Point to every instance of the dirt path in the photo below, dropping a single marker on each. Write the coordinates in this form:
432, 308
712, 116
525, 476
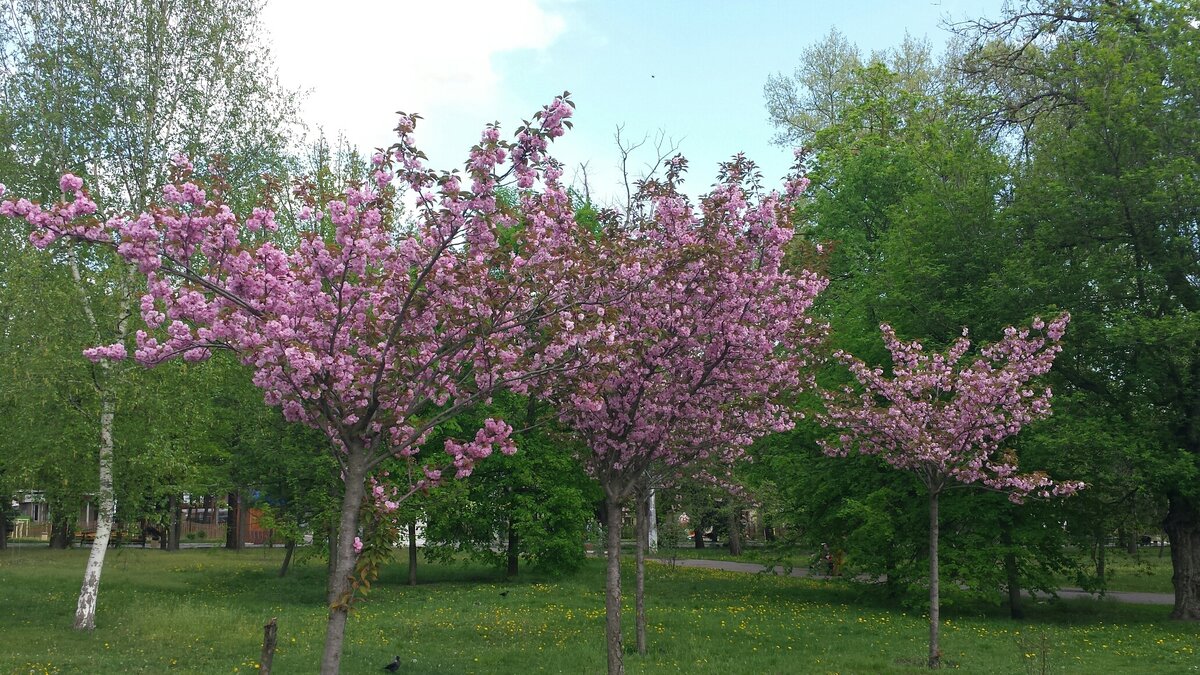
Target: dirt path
1071, 593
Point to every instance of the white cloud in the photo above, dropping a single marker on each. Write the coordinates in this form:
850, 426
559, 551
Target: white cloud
361, 60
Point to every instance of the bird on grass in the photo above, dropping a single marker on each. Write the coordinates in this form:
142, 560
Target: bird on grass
393, 666
504, 594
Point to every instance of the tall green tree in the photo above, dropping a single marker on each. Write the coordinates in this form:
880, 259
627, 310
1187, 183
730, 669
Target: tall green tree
908, 202
108, 89
533, 505
1100, 102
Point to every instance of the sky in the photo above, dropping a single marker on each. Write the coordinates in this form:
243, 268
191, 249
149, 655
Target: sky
691, 71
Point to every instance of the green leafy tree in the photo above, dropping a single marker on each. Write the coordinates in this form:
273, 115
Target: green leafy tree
909, 202
108, 89
1099, 101
533, 505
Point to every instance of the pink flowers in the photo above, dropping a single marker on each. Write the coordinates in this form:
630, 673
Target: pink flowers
113, 352
354, 334
70, 183
707, 338
947, 420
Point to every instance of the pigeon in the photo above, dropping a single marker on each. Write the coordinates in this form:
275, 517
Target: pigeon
393, 666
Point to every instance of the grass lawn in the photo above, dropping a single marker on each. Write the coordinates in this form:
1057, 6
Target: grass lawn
202, 610
1149, 571
763, 555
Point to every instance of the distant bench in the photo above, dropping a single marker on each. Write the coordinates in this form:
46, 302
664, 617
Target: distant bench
117, 538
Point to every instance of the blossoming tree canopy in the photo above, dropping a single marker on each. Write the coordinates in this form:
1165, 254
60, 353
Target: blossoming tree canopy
711, 338
381, 330
362, 334
945, 419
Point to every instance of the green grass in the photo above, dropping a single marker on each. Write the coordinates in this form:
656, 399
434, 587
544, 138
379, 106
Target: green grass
765, 555
1147, 572
201, 611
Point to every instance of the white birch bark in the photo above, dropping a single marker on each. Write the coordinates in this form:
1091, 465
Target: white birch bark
85, 609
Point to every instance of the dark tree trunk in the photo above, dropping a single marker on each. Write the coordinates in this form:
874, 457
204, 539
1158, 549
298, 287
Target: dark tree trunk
769, 533
1101, 549
643, 539
174, 527
513, 550
243, 520
891, 582
735, 532
268, 648
4, 521
935, 650
1128, 539
333, 552
612, 595
289, 549
1011, 573
412, 553
1183, 530
699, 533
61, 533
234, 536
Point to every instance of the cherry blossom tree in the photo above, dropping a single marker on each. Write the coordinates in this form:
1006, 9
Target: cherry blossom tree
946, 420
710, 337
378, 331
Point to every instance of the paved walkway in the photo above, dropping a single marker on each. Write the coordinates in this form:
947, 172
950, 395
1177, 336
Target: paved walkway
1071, 593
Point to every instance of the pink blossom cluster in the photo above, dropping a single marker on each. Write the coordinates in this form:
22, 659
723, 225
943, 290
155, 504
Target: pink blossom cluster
494, 434
708, 336
67, 219
947, 419
363, 333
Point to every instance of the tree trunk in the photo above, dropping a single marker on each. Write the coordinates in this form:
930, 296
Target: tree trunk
512, 551
643, 537
699, 538
61, 532
234, 537
339, 581
332, 542
176, 522
735, 532
289, 549
652, 537
268, 649
891, 581
1101, 549
935, 652
243, 524
1183, 531
85, 609
168, 542
612, 596
1011, 573
412, 552
4, 522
